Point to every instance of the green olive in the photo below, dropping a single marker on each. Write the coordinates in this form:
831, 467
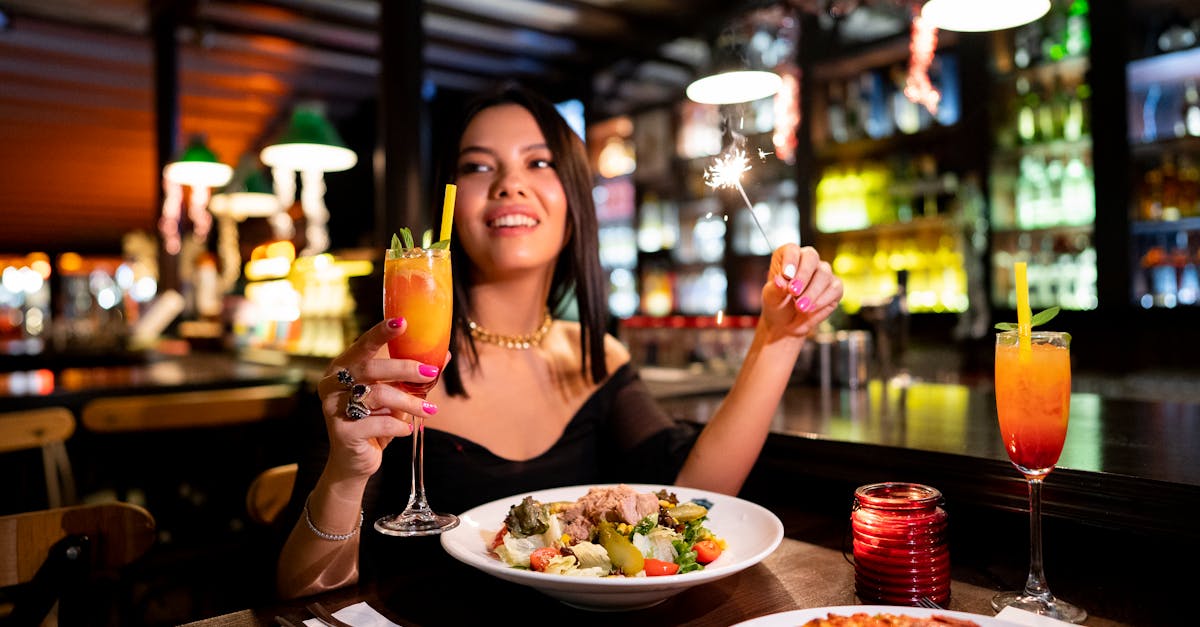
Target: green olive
687, 512
621, 551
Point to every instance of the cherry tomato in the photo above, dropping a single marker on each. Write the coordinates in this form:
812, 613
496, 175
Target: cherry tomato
706, 551
541, 557
654, 567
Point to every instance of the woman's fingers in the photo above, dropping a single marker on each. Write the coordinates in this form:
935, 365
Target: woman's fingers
367, 346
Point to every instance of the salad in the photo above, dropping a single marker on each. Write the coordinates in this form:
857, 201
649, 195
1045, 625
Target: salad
610, 531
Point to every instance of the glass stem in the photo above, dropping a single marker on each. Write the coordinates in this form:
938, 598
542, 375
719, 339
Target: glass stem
1035, 584
416, 494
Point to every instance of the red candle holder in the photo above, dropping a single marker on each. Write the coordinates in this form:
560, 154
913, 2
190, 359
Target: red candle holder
900, 548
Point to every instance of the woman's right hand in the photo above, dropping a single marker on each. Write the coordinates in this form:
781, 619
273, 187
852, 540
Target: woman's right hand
356, 446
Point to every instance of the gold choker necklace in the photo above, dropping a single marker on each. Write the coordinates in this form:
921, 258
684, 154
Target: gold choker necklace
517, 342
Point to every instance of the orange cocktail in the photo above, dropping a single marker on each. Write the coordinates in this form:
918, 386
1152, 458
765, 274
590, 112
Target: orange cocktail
417, 287
1033, 398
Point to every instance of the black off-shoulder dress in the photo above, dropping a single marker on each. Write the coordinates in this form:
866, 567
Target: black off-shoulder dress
619, 435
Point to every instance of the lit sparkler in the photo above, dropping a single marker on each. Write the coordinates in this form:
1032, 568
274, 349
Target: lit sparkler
727, 171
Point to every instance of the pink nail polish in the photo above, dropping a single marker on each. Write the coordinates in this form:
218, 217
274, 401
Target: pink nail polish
803, 303
427, 370
797, 286
395, 322
429, 408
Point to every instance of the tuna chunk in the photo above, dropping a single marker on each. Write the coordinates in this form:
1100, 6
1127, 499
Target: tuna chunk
614, 504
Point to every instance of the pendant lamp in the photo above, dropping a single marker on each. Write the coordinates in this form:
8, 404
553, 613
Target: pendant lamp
310, 142
735, 76
975, 16
248, 195
197, 166
311, 146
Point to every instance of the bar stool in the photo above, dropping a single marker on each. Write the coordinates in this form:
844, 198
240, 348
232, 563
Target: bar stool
270, 492
170, 443
67, 556
48, 429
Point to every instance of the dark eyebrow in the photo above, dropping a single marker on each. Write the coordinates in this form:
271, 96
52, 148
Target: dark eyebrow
490, 152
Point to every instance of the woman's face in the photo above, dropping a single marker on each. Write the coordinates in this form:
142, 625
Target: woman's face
510, 214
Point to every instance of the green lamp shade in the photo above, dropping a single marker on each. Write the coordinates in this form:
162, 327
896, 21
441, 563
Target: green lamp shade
309, 143
248, 195
198, 167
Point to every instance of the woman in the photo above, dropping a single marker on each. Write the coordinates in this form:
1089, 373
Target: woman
568, 410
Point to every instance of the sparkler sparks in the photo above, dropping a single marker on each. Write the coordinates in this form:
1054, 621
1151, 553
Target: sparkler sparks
726, 171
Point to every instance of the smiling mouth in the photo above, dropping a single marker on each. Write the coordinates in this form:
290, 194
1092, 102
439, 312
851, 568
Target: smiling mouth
512, 220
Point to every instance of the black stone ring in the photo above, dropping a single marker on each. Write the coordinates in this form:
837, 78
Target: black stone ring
357, 410
344, 377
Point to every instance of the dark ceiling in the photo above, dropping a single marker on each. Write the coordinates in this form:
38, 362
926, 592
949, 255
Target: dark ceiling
77, 83
77, 101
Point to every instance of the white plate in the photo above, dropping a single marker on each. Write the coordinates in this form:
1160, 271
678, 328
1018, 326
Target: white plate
751, 531
795, 618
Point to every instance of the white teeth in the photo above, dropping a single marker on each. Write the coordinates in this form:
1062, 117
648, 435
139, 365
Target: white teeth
513, 219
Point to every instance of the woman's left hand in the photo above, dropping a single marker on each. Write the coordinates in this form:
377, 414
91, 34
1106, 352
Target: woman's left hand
801, 291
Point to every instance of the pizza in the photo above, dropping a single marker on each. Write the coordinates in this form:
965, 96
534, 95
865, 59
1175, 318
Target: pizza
863, 619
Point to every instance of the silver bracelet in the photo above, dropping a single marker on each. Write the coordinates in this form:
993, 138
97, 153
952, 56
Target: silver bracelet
332, 537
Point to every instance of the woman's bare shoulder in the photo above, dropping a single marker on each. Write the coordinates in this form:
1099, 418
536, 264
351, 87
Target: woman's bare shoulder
615, 353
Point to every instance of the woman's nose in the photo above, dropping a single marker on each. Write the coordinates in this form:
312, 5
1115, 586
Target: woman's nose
508, 184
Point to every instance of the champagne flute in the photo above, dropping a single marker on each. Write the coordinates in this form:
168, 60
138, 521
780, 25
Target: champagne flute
1033, 400
417, 286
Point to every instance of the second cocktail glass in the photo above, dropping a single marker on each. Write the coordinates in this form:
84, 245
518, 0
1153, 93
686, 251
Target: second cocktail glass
1033, 401
417, 286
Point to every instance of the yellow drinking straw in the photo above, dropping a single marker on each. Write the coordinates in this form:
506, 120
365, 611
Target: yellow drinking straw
448, 211
1024, 326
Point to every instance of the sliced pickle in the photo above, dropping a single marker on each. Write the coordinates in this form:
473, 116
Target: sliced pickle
621, 552
687, 512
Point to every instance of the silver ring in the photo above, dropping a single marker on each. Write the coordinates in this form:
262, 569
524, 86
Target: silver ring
345, 378
356, 409
359, 390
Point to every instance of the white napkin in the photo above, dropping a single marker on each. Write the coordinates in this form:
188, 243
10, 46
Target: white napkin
360, 615
1025, 617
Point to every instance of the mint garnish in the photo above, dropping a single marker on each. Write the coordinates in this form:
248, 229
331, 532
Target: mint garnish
404, 241
1041, 317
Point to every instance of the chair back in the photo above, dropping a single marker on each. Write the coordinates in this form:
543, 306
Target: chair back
48, 429
270, 492
119, 533
181, 410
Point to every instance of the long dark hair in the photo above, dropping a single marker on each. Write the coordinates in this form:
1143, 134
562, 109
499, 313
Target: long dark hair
577, 272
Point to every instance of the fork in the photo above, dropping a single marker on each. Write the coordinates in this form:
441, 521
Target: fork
929, 603
325, 616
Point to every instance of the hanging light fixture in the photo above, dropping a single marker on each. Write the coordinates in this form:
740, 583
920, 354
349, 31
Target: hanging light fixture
197, 166
736, 76
311, 146
975, 16
248, 195
309, 142
734, 86
198, 169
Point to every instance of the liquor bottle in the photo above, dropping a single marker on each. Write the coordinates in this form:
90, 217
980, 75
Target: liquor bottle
1079, 193
1191, 108
1073, 117
1189, 187
1078, 35
1048, 121
1026, 112
1170, 189
1054, 34
836, 110
1027, 45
